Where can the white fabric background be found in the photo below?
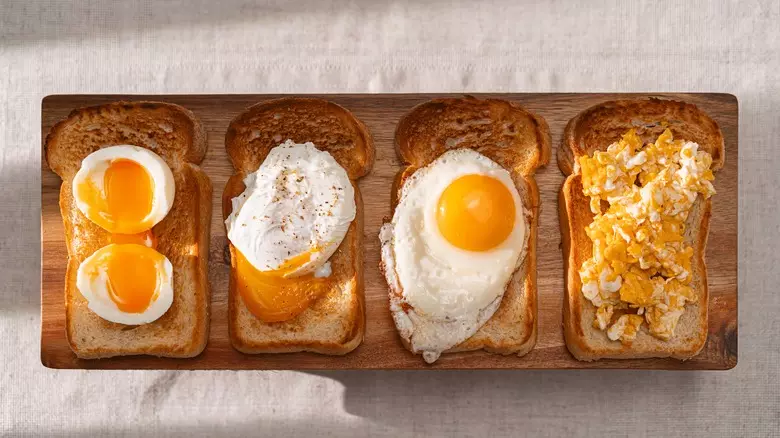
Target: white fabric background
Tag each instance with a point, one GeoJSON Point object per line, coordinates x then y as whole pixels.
{"type": "Point", "coordinates": [389, 46]}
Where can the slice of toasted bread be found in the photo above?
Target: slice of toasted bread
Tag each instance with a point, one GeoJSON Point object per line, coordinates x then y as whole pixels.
{"type": "Point", "coordinates": [175, 134]}
{"type": "Point", "coordinates": [520, 142]}
{"type": "Point", "coordinates": [334, 323]}
{"type": "Point", "coordinates": [595, 129]}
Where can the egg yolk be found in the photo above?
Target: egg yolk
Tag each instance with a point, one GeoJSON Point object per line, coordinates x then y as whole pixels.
{"type": "Point", "coordinates": [146, 238]}
{"type": "Point", "coordinates": [476, 213]}
{"type": "Point", "coordinates": [126, 198]}
{"type": "Point", "coordinates": [132, 272]}
{"type": "Point", "coordinates": [273, 297]}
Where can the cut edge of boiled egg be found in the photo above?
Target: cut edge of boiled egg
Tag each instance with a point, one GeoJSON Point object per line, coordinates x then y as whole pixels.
{"type": "Point", "coordinates": [127, 283]}
{"type": "Point", "coordinates": [124, 189]}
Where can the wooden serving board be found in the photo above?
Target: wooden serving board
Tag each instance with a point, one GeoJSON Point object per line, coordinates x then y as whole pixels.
{"type": "Point", "coordinates": [381, 348]}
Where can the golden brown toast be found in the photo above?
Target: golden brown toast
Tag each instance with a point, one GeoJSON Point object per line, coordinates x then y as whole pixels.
{"type": "Point", "coordinates": [520, 142]}
{"type": "Point", "coordinates": [176, 135]}
{"type": "Point", "coordinates": [595, 129]}
{"type": "Point", "coordinates": [335, 322]}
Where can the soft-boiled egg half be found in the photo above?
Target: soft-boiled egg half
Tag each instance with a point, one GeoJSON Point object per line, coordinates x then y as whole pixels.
{"type": "Point", "coordinates": [127, 283]}
{"type": "Point", "coordinates": [125, 190]}
{"type": "Point", "coordinates": [456, 237]}
{"type": "Point", "coordinates": [290, 219]}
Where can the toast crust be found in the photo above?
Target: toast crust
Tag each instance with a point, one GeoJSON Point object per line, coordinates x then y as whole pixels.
{"type": "Point", "coordinates": [334, 324]}
{"type": "Point", "coordinates": [175, 134]}
{"type": "Point", "coordinates": [587, 131]}
{"type": "Point", "coordinates": [262, 127]}
{"type": "Point", "coordinates": [595, 129]}
{"type": "Point", "coordinates": [517, 140]}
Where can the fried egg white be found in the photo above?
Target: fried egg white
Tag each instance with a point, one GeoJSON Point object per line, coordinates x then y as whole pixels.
{"type": "Point", "coordinates": [456, 237]}
{"type": "Point", "coordinates": [124, 189]}
{"type": "Point", "coordinates": [127, 283]}
{"type": "Point", "coordinates": [292, 216]}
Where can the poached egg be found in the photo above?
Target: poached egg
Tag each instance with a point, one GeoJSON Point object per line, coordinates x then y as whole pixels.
{"type": "Point", "coordinates": [290, 219]}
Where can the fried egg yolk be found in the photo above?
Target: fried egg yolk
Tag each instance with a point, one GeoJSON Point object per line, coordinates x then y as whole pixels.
{"type": "Point", "coordinates": [133, 276]}
{"type": "Point", "coordinates": [125, 202]}
{"type": "Point", "coordinates": [475, 213]}
{"type": "Point", "coordinates": [275, 296]}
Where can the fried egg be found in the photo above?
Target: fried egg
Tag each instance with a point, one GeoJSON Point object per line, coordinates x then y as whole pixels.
{"type": "Point", "coordinates": [290, 219]}
{"type": "Point", "coordinates": [127, 283]}
{"type": "Point", "coordinates": [457, 235]}
{"type": "Point", "coordinates": [124, 189]}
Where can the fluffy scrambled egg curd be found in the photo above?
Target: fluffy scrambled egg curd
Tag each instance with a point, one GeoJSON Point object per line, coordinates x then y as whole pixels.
{"type": "Point", "coordinates": [640, 270]}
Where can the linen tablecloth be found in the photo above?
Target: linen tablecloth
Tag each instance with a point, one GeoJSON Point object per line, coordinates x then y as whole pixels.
{"type": "Point", "coordinates": [296, 46]}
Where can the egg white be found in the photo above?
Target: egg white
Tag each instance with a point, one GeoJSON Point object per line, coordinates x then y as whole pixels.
{"type": "Point", "coordinates": [451, 292]}
{"type": "Point", "coordinates": [94, 166]}
{"type": "Point", "coordinates": [298, 200]}
{"type": "Point", "coordinates": [94, 288]}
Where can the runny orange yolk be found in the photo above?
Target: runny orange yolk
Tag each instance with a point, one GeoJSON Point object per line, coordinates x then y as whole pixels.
{"type": "Point", "coordinates": [146, 238]}
{"type": "Point", "coordinates": [132, 272]}
{"type": "Point", "coordinates": [476, 213]}
{"type": "Point", "coordinates": [126, 201]}
{"type": "Point", "coordinates": [271, 296]}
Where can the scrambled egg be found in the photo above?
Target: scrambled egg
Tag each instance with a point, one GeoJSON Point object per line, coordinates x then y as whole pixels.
{"type": "Point", "coordinates": [640, 270]}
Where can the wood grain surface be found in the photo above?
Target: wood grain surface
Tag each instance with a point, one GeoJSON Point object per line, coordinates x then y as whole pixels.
{"type": "Point", "coordinates": [381, 348]}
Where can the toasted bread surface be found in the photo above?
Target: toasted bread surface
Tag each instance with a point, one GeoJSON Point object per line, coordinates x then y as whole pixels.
{"type": "Point", "coordinates": [177, 136]}
{"type": "Point", "coordinates": [329, 126]}
{"type": "Point", "coordinates": [503, 131]}
{"type": "Point", "coordinates": [520, 142]}
{"type": "Point", "coordinates": [334, 323]}
{"type": "Point", "coordinates": [606, 122]}
{"type": "Point", "coordinates": [595, 129]}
